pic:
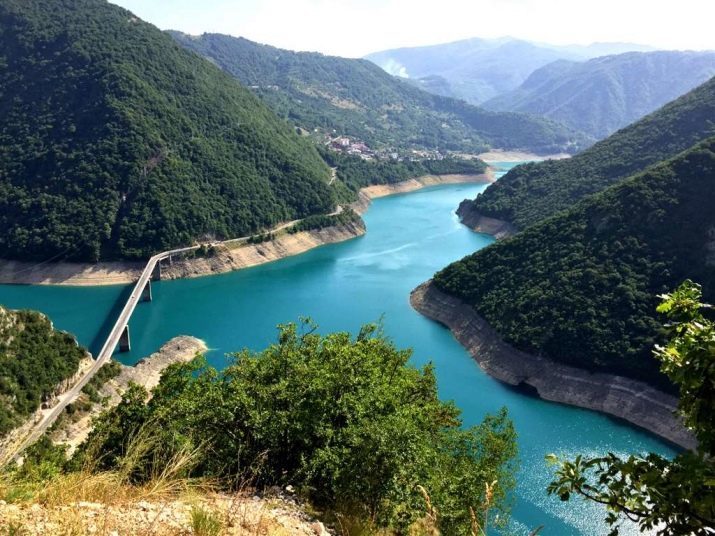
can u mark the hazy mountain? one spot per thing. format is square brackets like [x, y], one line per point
[477, 70]
[604, 94]
[356, 98]
[117, 142]
[533, 192]
[582, 287]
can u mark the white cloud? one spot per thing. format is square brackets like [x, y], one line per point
[357, 27]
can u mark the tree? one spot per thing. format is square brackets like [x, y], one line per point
[675, 497]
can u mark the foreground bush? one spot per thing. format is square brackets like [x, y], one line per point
[347, 422]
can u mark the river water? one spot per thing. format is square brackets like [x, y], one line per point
[342, 286]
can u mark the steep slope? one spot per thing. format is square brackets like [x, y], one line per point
[34, 359]
[604, 94]
[530, 193]
[581, 287]
[118, 143]
[477, 70]
[339, 96]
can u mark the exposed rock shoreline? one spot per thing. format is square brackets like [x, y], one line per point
[621, 397]
[226, 258]
[472, 218]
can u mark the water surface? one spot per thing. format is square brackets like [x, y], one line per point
[342, 286]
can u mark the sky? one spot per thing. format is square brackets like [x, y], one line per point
[354, 28]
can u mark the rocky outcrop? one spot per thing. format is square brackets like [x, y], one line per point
[633, 401]
[147, 373]
[471, 217]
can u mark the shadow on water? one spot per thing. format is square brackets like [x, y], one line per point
[103, 332]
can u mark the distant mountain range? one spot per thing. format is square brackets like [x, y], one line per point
[604, 94]
[353, 97]
[531, 193]
[477, 70]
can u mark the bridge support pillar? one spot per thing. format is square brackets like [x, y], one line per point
[146, 292]
[156, 273]
[124, 342]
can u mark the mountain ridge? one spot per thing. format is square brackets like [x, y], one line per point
[477, 69]
[353, 97]
[604, 94]
[120, 143]
[531, 193]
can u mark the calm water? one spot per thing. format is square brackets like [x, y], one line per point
[341, 287]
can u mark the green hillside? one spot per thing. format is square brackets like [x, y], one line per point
[34, 358]
[117, 142]
[581, 287]
[532, 192]
[352, 97]
[604, 94]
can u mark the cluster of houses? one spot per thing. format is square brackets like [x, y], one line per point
[347, 145]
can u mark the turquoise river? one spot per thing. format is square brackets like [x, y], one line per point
[342, 286]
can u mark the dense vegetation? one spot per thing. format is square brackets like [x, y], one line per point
[672, 497]
[532, 192]
[477, 70]
[604, 94]
[34, 359]
[346, 421]
[356, 173]
[580, 287]
[321, 221]
[356, 98]
[117, 142]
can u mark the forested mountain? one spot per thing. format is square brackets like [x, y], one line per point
[34, 359]
[117, 142]
[532, 192]
[581, 287]
[354, 97]
[477, 70]
[601, 95]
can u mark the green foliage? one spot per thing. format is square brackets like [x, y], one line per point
[111, 369]
[356, 173]
[118, 143]
[532, 192]
[348, 422]
[204, 522]
[689, 360]
[345, 217]
[34, 358]
[580, 287]
[607, 93]
[674, 497]
[356, 98]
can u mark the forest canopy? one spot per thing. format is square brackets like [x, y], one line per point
[118, 143]
[581, 287]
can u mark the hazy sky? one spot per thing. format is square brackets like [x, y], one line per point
[357, 27]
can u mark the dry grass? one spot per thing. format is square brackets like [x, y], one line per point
[108, 503]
